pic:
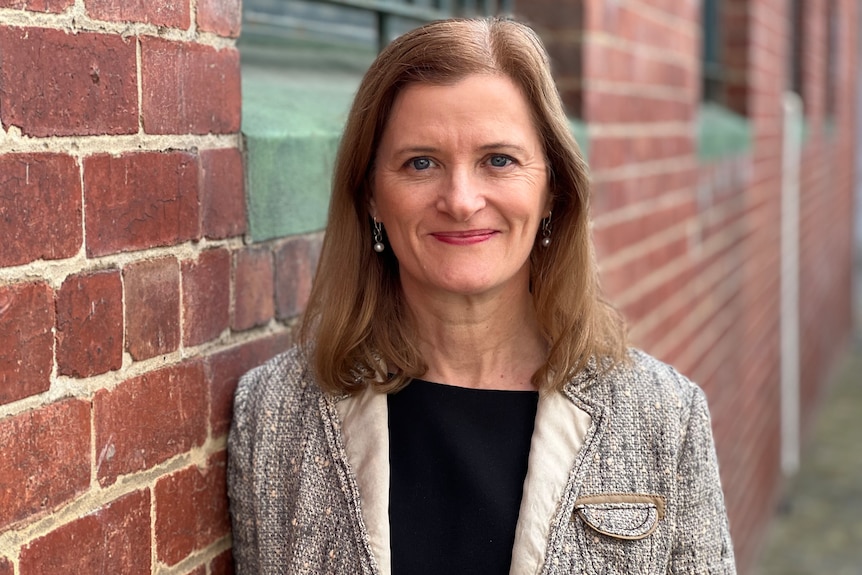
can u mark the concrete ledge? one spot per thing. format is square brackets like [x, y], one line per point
[291, 133]
[721, 132]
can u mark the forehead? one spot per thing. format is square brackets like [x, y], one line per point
[477, 101]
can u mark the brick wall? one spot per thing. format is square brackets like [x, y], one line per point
[690, 249]
[129, 303]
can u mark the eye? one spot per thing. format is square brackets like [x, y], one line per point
[499, 161]
[420, 164]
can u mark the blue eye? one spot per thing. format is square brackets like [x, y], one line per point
[420, 163]
[500, 161]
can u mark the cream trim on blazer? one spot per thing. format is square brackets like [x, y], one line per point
[558, 435]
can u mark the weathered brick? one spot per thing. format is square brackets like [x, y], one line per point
[167, 13]
[140, 200]
[295, 262]
[189, 88]
[206, 296]
[152, 296]
[149, 419]
[113, 539]
[222, 193]
[58, 84]
[191, 510]
[222, 17]
[6, 567]
[40, 207]
[37, 6]
[626, 232]
[46, 459]
[254, 290]
[26, 341]
[224, 369]
[222, 564]
[634, 107]
[90, 324]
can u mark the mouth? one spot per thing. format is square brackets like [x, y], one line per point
[464, 238]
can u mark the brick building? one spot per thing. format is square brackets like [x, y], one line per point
[160, 212]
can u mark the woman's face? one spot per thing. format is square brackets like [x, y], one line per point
[460, 185]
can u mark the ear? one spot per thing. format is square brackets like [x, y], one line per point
[372, 207]
[549, 204]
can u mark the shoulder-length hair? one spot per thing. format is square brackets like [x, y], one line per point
[356, 325]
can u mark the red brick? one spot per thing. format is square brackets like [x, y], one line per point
[630, 231]
[6, 567]
[295, 262]
[206, 296]
[614, 152]
[113, 539]
[149, 419]
[140, 200]
[90, 324]
[37, 6]
[222, 193]
[222, 564]
[189, 88]
[172, 14]
[26, 341]
[191, 510]
[40, 208]
[224, 369]
[58, 84]
[254, 292]
[222, 17]
[608, 107]
[152, 295]
[46, 459]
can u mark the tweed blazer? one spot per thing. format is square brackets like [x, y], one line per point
[622, 477]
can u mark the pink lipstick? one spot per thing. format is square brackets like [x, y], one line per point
[465, 238]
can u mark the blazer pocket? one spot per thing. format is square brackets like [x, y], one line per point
[626, 516]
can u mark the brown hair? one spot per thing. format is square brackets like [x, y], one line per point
[356, 326]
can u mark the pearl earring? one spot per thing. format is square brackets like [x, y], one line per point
[546, 231]
[378, 237]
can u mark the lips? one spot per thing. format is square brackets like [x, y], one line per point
[463, 238]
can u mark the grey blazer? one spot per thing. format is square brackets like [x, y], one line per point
[622, 477]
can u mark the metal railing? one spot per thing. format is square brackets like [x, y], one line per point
[378, 20]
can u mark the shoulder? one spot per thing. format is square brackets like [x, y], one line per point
[644, 388]
[282, 385]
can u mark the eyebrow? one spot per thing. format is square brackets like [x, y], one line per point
[484, 148]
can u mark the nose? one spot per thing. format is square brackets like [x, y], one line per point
[461, 195]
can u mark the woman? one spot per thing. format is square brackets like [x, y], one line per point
[462, 401]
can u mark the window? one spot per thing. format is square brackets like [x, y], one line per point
[713, 72]
[832, 60]
[723, 128]
[360, 22]
[795, 54]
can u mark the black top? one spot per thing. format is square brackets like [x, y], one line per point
[458, 458]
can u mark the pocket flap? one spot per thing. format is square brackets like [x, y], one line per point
[621, 515]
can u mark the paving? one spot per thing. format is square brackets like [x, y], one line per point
[819, 527]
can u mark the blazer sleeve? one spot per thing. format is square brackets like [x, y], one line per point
[702, 542]
[240, 482]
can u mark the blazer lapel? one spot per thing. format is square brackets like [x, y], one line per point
[365, 432]
[560, 433]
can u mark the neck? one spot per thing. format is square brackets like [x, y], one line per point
[481, 342]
